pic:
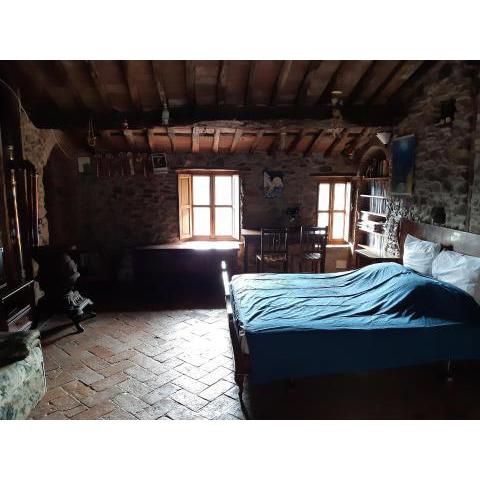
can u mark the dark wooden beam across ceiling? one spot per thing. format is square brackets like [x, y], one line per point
[183, 116]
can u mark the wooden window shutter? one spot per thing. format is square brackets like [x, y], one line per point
[236, 206]
[185, 205]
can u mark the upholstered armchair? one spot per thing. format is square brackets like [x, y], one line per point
[22, 374]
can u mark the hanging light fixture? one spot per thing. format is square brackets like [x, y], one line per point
[91, 138]
[165, 114]
[337, 103]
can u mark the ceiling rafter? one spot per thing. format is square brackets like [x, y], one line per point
[280, 141]
[222, 82]
[300, 136]
[157, 72]
[68, 74]
[236, 139]
[149, 134]
[313, 144]
[250, 83]
[190, 81]
[257, 141]
[339, 137]
[313, 66]
[281, 81]
[129, 77]
[94, 75]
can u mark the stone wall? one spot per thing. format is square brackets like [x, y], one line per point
[119, 212]
[444, 155]
[37, 145]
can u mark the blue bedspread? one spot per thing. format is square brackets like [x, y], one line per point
[380, 316]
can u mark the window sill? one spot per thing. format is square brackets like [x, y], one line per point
[339, 245]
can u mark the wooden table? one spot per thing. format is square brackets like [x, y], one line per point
[153, 264]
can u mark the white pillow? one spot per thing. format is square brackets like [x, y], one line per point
[460, 270]
[419, 254]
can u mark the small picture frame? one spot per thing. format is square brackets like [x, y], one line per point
[84, 165]
[159, 163]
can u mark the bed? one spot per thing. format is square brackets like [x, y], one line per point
[289, 326]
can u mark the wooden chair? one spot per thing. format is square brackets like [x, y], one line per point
[313, 248]
[273, 248]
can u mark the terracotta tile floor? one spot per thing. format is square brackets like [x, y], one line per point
[171, 364]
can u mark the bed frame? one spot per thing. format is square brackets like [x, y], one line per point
[461, 242]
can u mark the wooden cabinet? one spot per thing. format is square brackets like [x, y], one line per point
[19, 227]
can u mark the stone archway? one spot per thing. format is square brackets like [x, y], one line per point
[61, 198]
[375, 153]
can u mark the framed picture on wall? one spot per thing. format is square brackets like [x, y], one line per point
[272, 184]
[403, 165]
[159, 162]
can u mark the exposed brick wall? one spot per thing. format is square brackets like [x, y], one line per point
[124, 211]
[443, 164]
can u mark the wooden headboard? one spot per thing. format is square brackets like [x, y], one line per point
[461, 242]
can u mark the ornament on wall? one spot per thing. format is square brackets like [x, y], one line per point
[159, 162]
[272, 184]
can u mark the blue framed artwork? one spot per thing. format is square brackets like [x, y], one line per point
[403, 165]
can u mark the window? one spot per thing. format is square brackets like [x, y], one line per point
[333, 209]
[209, 205]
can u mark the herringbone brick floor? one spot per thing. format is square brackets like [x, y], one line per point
[172, 364]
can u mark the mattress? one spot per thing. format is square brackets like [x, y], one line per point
[381, 316]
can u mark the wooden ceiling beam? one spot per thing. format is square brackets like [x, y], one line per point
[382, 115]
[257, 141]
[312, 145]
[222, 82]
[236, 139]
[65, 67]
[129, 78]
[404, 72]
[281, 80]
[157, 72]
[279, 144]
[339, 137]
[250, 83]
[149, 133]
[216, 140]
[293, 146]
[190, 81]
[94, 75]
[307, 79]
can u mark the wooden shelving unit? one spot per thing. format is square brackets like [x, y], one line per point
[370, 218]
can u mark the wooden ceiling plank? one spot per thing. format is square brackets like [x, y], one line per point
[404, 72]
[307, 79]
[376, 76]
[222, 82]
[216, 140]
[236, 139]
[250, 83]
[149, 133]
[102, 91]
[70, 78]
[127, 68]
[157, 72]
[281, 81]
[349, 75]
[190, 81]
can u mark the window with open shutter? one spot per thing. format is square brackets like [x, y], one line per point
[209, 205]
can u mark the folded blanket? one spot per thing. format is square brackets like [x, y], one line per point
[15, 346]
